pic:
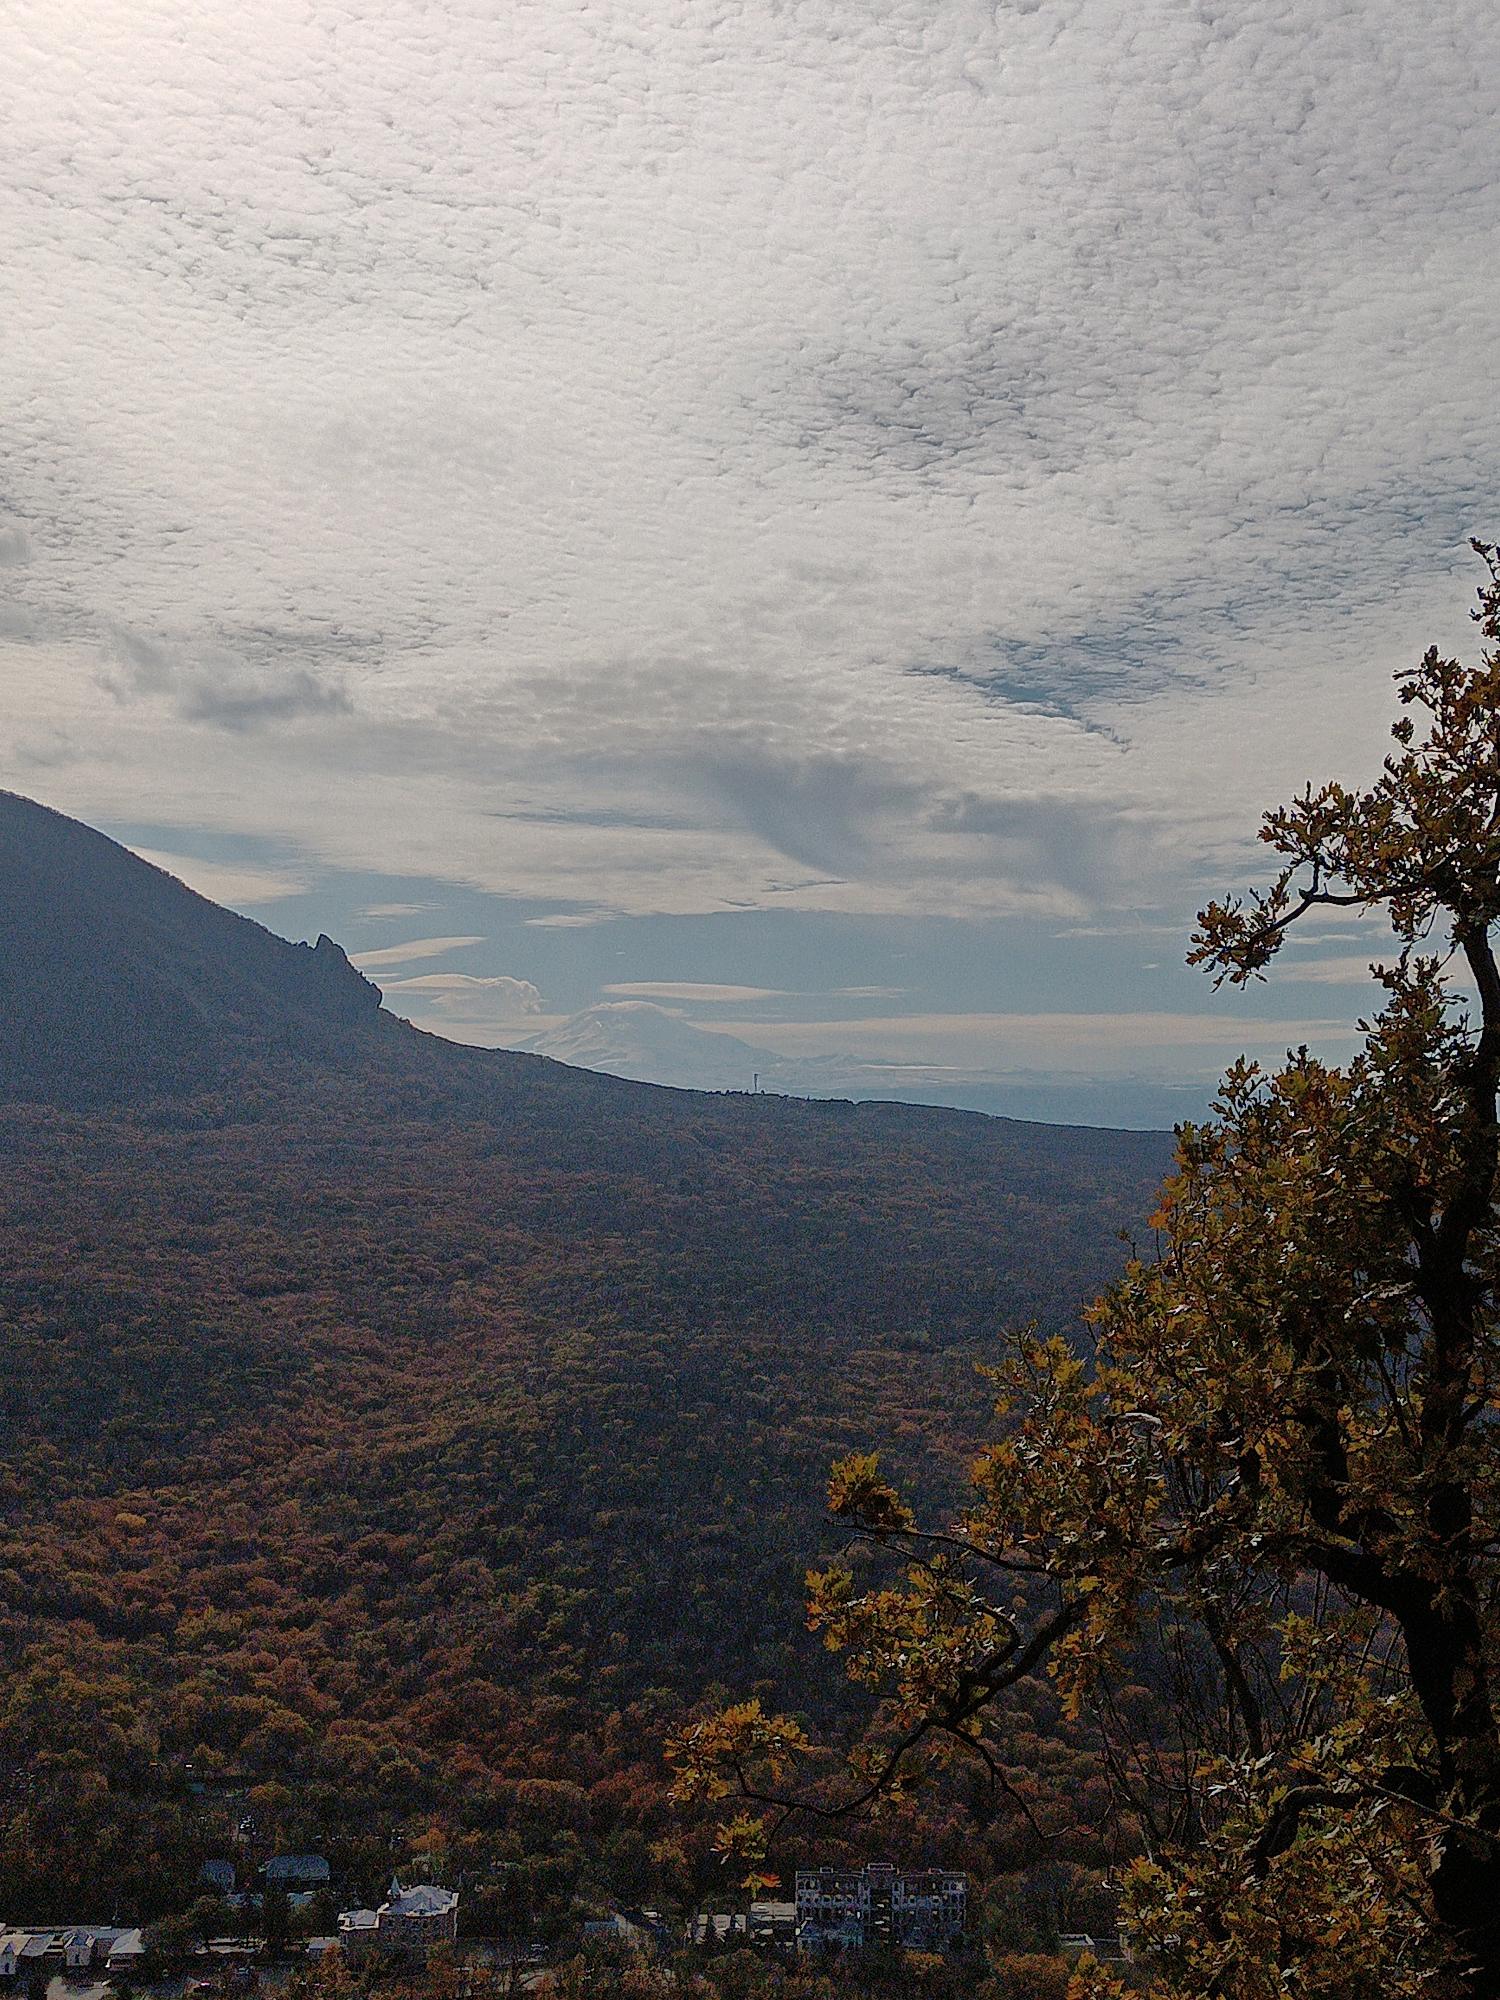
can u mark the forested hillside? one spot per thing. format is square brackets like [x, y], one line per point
[396, 1436]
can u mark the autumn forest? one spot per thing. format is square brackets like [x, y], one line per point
[400, 1441]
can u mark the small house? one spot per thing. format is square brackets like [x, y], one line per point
[773, 1926]
[359, 1931]
[80, 1948]
[297, 1871]
[716, 1930]
[126, 1953]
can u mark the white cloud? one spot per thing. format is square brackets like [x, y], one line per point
[205, 682]
[976, 455]
[466, 1006]
[15, 545]
[691, 989]
[413, 949]
[232, 883]
[1100, 1044]
[1346, 970]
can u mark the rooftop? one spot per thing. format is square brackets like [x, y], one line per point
[423, 1900]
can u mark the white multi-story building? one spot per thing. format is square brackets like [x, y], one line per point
[413, 1919]
[409, 1920]
[862, 1909]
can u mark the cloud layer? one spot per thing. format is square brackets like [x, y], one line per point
[836, 454]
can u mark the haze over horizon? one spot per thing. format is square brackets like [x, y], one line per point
[827, 522]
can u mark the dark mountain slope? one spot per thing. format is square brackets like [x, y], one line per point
[394, 1435]
[116, 978]
[122, 987]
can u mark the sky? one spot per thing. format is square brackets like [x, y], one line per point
[822, 522]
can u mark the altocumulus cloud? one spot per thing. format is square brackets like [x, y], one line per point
[15, 545]
[204, 682]
[835, 423]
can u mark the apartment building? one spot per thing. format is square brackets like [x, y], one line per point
[880, 1907]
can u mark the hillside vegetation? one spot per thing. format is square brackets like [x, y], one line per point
[397, 1436]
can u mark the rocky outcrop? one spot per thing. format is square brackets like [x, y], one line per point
[117, 980]
[339, 986]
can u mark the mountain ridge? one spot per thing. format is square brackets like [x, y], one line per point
[113, 973]
[120, 980]
[405, 1433]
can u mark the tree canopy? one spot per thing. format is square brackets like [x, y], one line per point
[392, 1450]
[1271, 1479]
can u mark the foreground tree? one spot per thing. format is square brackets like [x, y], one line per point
[1278, 1472]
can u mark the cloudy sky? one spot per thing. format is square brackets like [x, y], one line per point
[825, 518]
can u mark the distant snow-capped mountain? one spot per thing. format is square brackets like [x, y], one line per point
[648, 1043]
[653, 1044]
